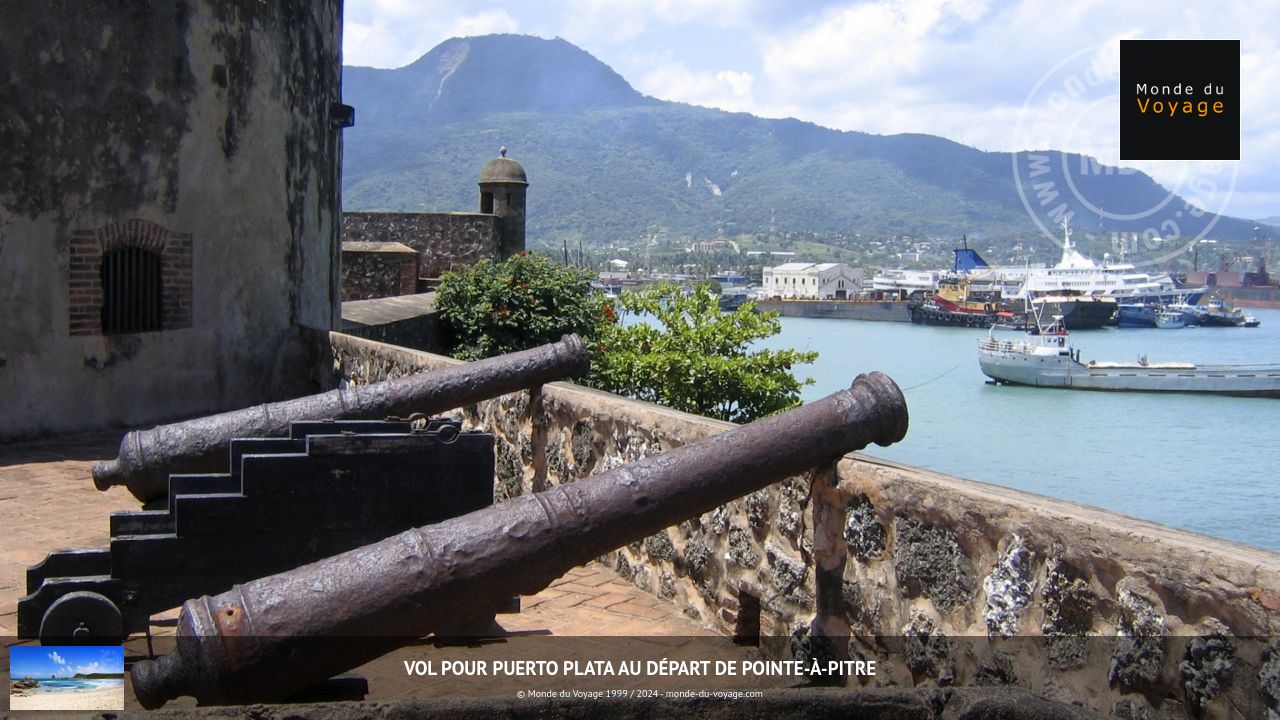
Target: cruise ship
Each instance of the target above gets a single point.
(1077, 275)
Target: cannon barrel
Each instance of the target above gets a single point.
(148, 457)
(251, 643)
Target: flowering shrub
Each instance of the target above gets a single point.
(675, 348)
(494, 308)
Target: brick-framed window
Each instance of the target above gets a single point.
(132, 291)
(136, 262)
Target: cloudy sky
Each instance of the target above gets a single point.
(980, 72)
(45, 661)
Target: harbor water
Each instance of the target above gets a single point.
(1201, 463)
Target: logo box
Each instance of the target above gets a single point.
(1180, 99)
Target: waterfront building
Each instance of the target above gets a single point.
(812, 280)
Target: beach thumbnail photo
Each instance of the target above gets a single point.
(55, 677)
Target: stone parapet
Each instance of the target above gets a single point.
(373, 270)
(944, 581)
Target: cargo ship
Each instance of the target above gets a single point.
(1246, 289)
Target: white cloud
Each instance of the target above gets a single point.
(604, 21)
(57, 659)
(371, 45)
(863, 48)
(484, 23)
(394, 33)
(618, 21)
(95, 667)
(957, 68)
(739, 82)
(725, 89)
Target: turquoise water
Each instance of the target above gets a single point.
(1205, 464)
(74, 685)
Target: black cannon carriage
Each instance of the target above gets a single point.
(328, 487)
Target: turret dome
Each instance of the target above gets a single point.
(503, 169)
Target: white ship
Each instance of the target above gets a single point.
(905, 282)
(1076, 273)
(1046, 359)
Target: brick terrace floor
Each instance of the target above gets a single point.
(48, 502)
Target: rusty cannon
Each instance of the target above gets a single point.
(273, 637)
(148, 457)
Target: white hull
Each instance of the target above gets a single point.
(1019, 363)
(1166, 320)
(1076, 273)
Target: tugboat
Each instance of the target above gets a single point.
(956, 304)
(1215, 314)
(1218, 314)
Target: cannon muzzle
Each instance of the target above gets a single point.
(258, 641)
(148, 457)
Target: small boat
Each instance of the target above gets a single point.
(1250, 321)
(732, 298)
(1009, 321)
(1170, 319)
(1045, 358)
(1136, 315)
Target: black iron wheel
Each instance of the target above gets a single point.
(82, 618)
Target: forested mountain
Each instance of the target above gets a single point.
(607, 164)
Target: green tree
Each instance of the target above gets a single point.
(685, 353)
(494, 308)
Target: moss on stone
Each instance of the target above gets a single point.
(929, 562)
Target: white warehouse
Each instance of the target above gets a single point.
(822, 281)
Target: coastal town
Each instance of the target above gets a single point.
(1085, 293)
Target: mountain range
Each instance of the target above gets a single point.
(607, 164)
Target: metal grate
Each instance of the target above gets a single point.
(132, 291)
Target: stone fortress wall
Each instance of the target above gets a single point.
(940, 580)
(373, 270)
(169, 207)
(444, 241)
